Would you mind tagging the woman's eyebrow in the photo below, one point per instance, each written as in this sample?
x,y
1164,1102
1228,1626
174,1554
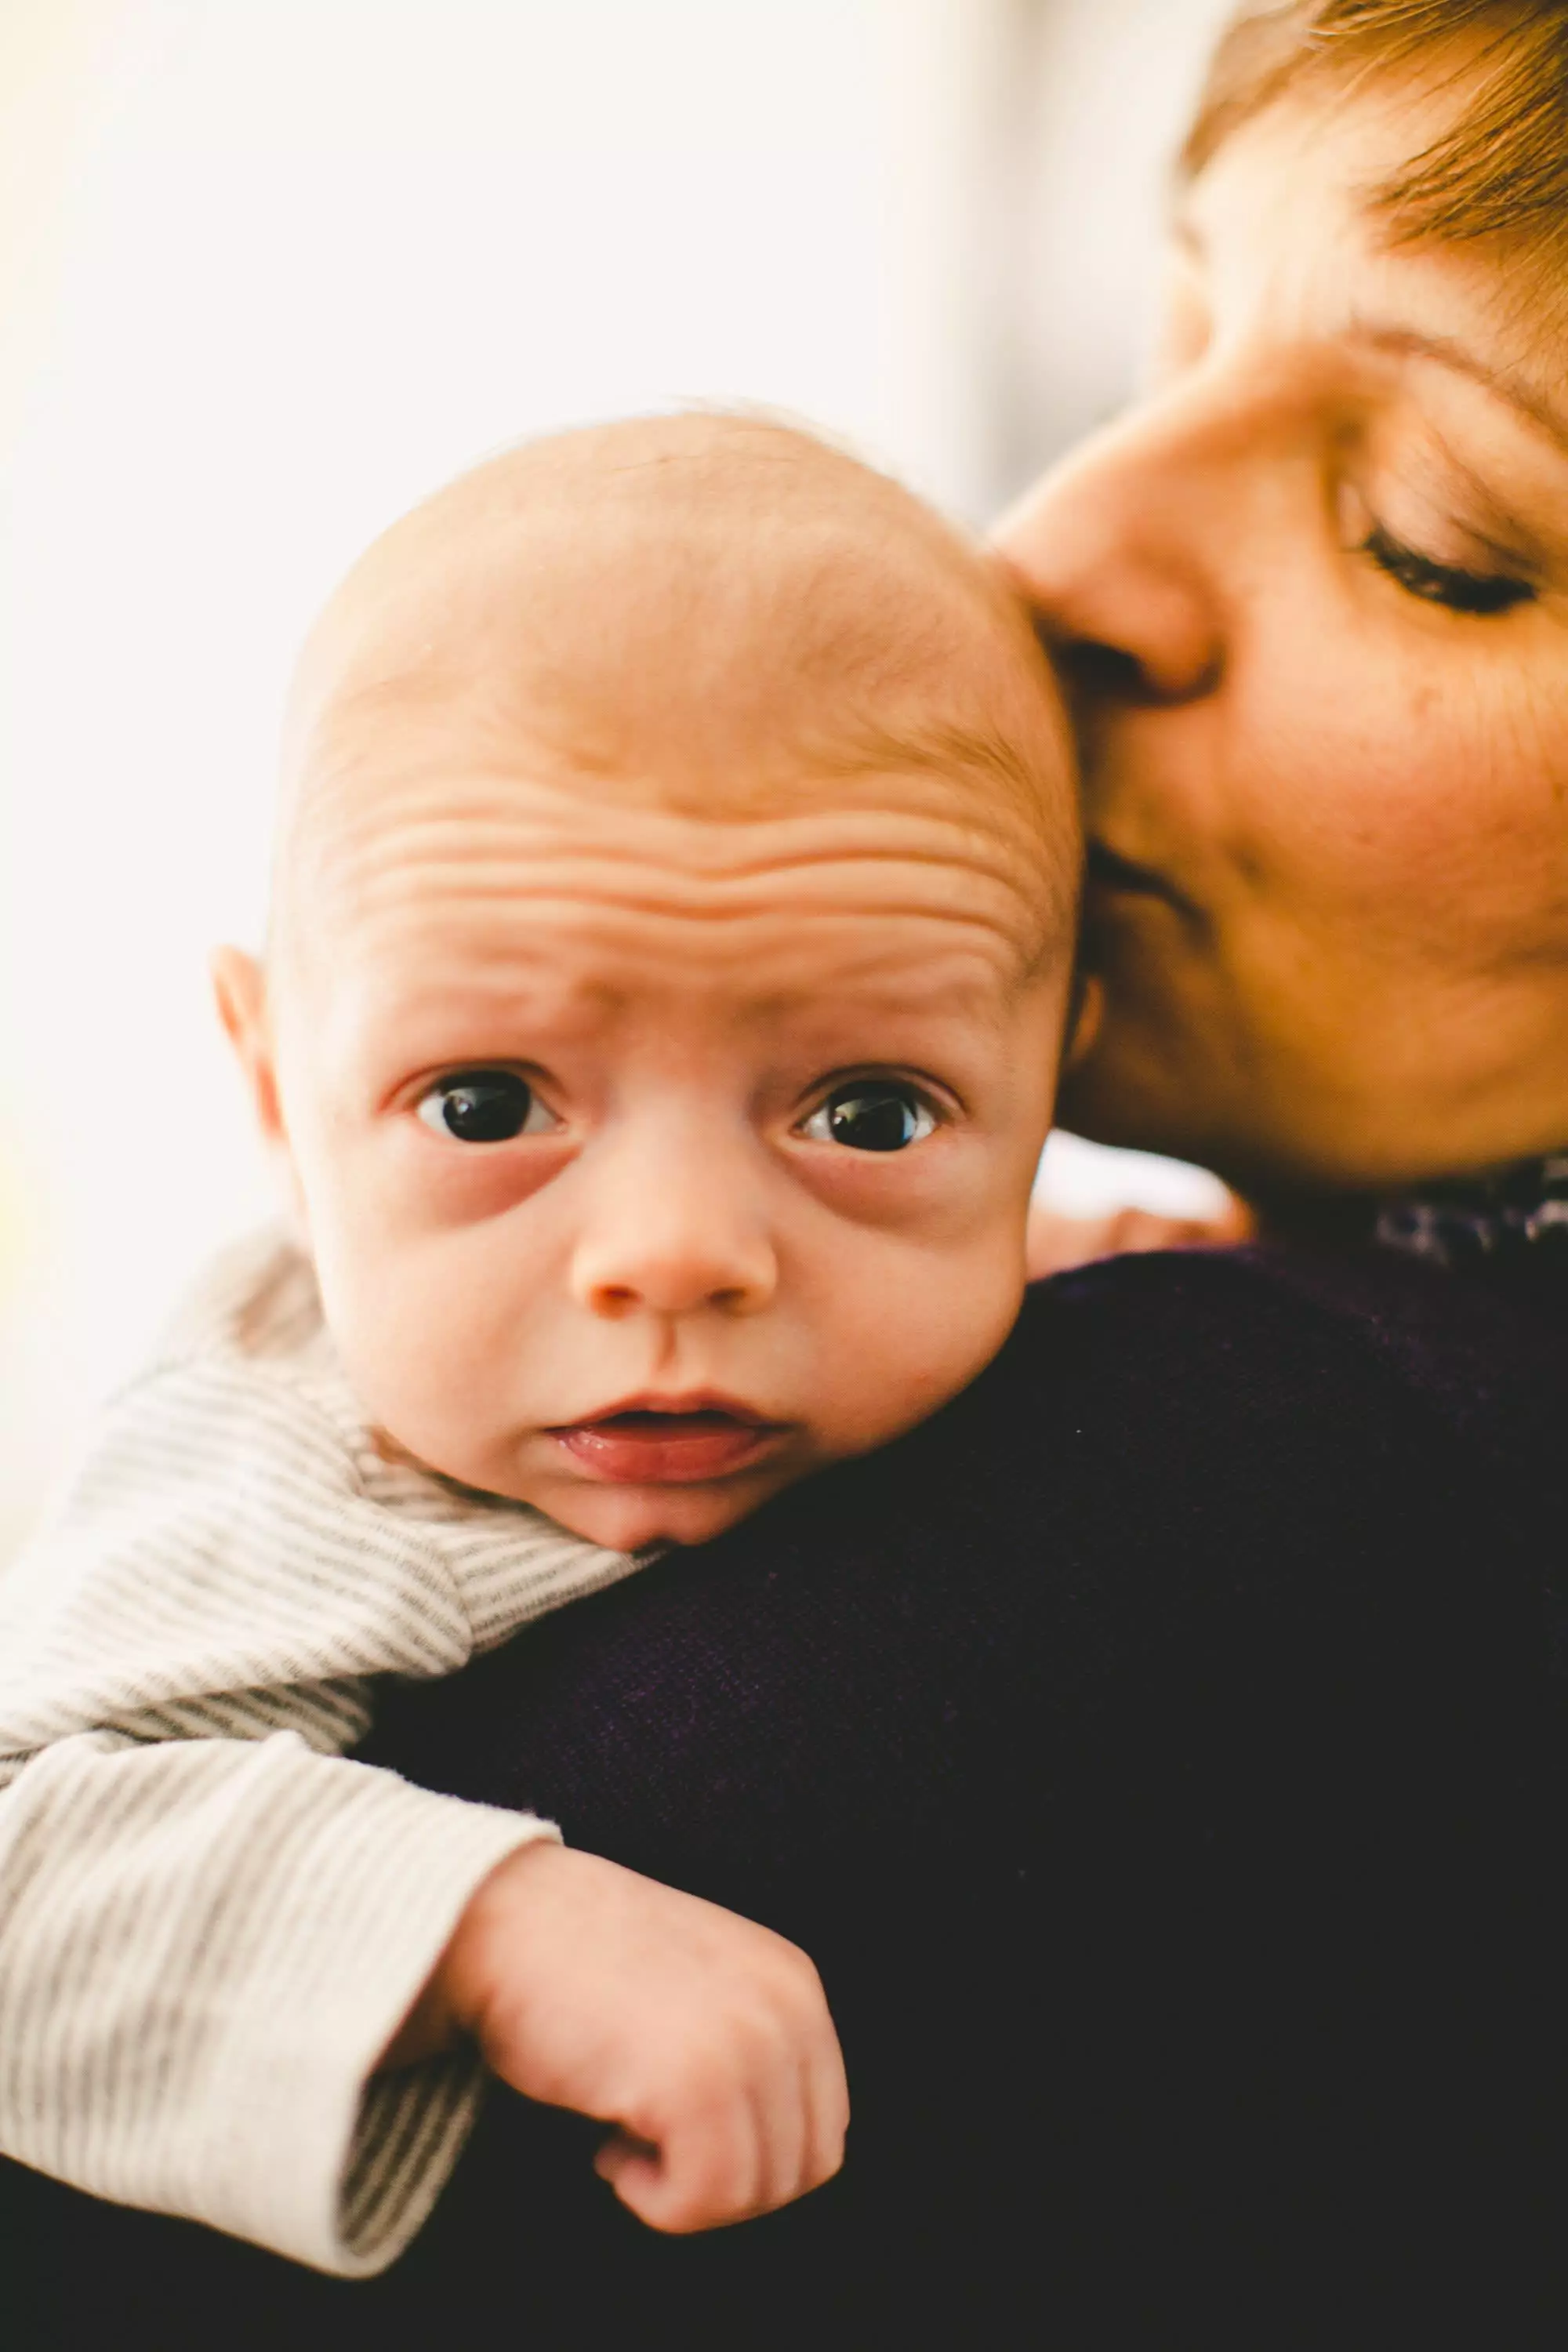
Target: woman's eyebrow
x,y
1411,343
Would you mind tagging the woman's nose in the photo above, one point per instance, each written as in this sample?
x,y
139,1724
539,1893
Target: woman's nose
x,y
678,1234
1117,552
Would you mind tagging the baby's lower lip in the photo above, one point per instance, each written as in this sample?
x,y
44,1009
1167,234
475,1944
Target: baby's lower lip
x,y
666,1449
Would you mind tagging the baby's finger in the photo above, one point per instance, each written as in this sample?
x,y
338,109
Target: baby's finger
x,y
782,2121
627,2164
706,2172
827,2102
619,2149
716,2167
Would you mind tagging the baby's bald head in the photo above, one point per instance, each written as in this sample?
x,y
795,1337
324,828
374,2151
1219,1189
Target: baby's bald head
x,y
715,614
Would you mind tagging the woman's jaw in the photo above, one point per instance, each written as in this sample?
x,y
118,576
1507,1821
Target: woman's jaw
x,y
1312,595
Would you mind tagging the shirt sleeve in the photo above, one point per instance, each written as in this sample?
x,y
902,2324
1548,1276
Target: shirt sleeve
x,y
211,1921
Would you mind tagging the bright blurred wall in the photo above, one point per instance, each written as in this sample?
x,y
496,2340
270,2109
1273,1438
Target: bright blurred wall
x,y
271,270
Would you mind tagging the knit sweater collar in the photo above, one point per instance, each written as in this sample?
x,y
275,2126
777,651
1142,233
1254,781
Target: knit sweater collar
x,y
1500,1216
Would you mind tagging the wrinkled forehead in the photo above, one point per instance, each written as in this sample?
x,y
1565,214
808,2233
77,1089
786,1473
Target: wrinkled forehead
x,y
480,864
515,920
757,646
440,829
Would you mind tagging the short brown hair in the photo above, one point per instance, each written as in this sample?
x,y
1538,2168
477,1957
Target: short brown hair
x,y
1501,169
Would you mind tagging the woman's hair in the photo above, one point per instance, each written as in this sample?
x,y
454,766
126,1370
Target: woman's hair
x,y
1501,169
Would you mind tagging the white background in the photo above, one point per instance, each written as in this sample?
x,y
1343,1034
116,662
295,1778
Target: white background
x,y
271,269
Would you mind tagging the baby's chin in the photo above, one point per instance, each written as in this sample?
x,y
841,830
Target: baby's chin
x,y
637,1519
619,1517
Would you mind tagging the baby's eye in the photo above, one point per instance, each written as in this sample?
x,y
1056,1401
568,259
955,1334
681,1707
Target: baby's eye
x,y
484,1107
871,1114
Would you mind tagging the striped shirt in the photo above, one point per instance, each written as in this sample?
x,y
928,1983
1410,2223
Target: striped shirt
x,y
211,1921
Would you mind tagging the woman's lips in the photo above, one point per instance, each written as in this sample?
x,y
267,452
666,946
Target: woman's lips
x,y
1110,873
652,1448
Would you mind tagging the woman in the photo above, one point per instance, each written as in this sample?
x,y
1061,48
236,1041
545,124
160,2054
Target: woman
x,y
1162,1754
1311,592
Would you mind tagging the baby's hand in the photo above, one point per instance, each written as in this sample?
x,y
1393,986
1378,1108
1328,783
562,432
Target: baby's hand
x,y
1057,1241
704,2037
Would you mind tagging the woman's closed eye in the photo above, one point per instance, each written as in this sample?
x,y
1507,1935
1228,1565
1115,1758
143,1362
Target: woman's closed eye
x,y
1482,593
484,1106
871,1114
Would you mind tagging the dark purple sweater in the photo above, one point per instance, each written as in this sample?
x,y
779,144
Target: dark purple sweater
x,y
1163,1753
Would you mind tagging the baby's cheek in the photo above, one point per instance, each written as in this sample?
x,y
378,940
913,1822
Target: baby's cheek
x,y
435,1185
923,1331
938,1194
421,1362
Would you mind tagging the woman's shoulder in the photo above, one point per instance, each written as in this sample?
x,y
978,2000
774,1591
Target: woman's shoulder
x,y
1308,1355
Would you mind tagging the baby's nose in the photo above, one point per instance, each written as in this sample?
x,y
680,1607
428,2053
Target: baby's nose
x,y
677,1243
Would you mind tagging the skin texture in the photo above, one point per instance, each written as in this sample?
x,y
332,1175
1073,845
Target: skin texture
x,y
1335,951
688,774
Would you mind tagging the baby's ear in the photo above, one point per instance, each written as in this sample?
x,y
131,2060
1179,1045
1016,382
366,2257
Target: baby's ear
x,y
240,990
1088,1008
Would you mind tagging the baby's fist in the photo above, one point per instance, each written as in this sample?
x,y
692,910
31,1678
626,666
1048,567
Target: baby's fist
x,y
703,2038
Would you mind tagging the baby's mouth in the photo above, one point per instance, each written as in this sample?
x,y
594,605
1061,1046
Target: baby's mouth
x,y
670,1445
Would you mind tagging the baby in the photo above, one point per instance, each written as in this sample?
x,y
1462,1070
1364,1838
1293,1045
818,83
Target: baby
x,y
670,955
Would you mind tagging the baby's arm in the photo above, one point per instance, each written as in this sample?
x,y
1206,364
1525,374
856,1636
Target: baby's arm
x,y
204,1946
212,1926
210,1923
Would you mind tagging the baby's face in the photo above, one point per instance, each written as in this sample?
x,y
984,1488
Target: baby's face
x,y
649,1161
662,1101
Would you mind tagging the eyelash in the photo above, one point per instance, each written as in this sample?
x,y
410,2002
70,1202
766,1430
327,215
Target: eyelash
x,y
1480,594
938,1105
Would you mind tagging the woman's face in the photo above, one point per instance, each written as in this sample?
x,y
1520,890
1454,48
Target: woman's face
x,y
1312,594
